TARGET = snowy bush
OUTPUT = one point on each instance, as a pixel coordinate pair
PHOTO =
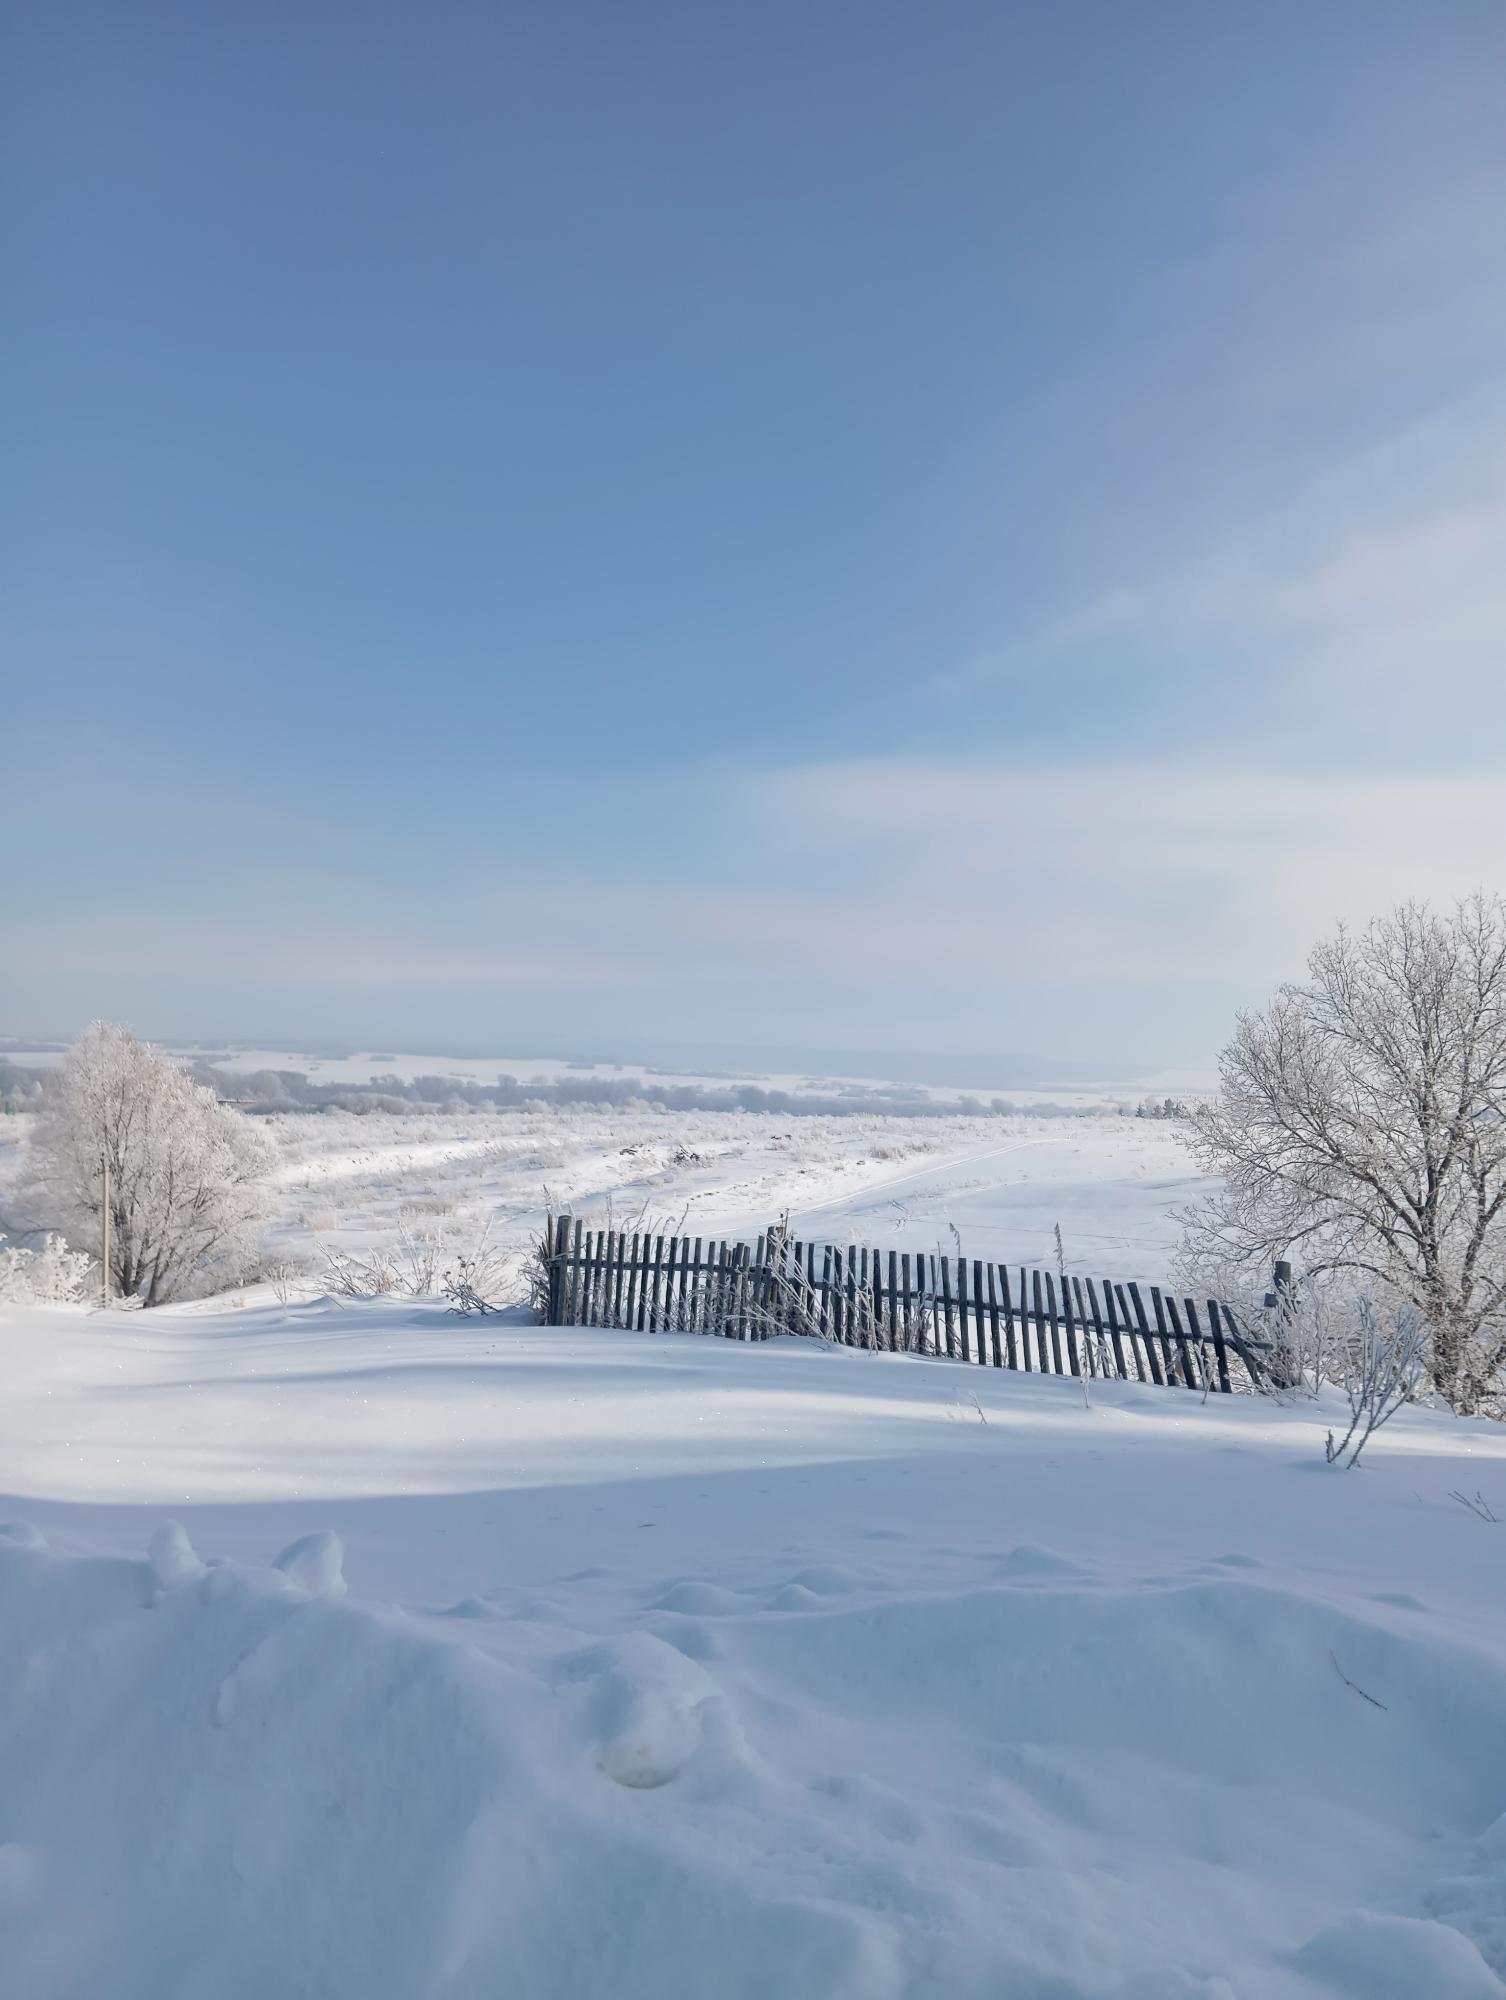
(422, 1260)
(1385, 1352)
(51, 1276)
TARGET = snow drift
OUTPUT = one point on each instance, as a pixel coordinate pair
(220, 1778)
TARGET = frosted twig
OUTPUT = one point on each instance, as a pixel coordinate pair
(1354, 1684)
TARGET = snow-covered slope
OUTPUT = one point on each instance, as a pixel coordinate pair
(668, 1667)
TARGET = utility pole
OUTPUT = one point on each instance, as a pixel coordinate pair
(105, 1230)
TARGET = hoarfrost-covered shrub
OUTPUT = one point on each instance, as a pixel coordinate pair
(51, 1276)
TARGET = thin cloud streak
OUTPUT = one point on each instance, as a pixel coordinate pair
(1386, 576)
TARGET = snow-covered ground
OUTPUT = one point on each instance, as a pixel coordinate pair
(673, 1667)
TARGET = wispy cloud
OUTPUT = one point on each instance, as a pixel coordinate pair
(1371, 608)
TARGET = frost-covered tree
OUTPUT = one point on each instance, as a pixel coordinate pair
(187, 1176)
(1360, 1129)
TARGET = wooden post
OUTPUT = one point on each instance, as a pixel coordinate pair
(558, 1239)
(574, 1278)
(946, 1293)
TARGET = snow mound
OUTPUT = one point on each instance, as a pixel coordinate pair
(316, 1563)
(1398, 1958)
(21, 1535)
(171, 1559)
(245, 1790)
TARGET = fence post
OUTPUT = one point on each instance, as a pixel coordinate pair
(558, 1237)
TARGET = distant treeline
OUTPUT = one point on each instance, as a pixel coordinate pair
(268, 1090)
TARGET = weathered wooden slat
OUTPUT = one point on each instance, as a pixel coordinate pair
(1100, 1352)
(1025, 1319)
(993, 1319)
(1216, 1326)
(1038, 1314)
(1075, 1362)
(703, 1289)
(962, 1308)
(1159, 1369)
(1201, 1345)
(1191, 1356)
(1056, 1335)
(745, 1269)
(649, 1304)
(1245, 1346)
(722, 1283)
(592, 1249)
(619, 1274)
(598, 1241)
(1060, 1300)
(946, 1294)
(675, 1265)
(690, 1278)
(631, 1316)
(572, 1303)
(1012, 1357)
(1116, 1337)
(1129, 1333)
(1157, 1351)
(556, 1237)
(1085, 1338)
(1178, 1362)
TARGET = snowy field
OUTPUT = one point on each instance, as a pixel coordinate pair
(1112, 1183)
(667, 1667)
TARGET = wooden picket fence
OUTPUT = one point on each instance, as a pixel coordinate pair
(906, 1302)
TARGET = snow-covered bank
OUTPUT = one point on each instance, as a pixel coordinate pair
(670, 1667)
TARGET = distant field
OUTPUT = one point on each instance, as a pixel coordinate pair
(351, 1181)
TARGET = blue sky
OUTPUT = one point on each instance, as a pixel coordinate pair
(939, 526)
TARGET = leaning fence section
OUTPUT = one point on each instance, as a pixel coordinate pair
(961, 1309)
